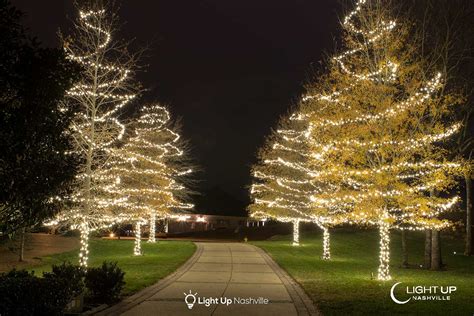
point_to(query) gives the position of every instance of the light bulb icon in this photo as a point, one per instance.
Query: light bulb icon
(190, 299)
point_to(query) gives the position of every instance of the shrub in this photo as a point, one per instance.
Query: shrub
(16, 291)
(22, 293)
(70, 276)
(105, 283)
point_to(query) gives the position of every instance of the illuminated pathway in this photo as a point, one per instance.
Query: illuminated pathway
(229, 270)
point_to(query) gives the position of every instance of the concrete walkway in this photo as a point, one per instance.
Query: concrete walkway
(230, 270)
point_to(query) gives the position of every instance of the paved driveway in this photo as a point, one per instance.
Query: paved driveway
(222, 270)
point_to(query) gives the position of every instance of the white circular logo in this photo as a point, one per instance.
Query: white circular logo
(392, 295)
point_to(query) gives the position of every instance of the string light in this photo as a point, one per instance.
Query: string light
(137, 249)
(296, 232)
(337, 161)
(326, 244)
(84, 250)
(152, 234)
(402, 183)
(283, 184)
(150, 169)
(384, 269)
(102, 91)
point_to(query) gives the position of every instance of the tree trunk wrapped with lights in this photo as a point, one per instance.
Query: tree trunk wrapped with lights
(326, 244)
(137, 249)
(296, 232)
(152, 234)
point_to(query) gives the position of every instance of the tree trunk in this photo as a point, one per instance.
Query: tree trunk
(84, 251)
(296, 233)
(384, 267)
(137, 250)
(427, 264)
(404, 250)
(151, 237)
(326, 244)
(435, 250)
(167, 227)
(469, 249)
(21, 257)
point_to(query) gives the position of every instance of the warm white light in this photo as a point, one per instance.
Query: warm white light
(137, 249)
(152, 234)
(326, 245)
(337, 160)
(296, 233)
(102, 90)
(182, 218)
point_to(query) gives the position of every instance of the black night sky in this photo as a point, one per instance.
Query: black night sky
(228, 68)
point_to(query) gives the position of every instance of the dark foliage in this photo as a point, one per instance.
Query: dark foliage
(104, 283)
(22, 293)
(33, 130)
(70, 275)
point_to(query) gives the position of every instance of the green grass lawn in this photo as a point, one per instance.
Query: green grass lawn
(344, 285)
(159, 260)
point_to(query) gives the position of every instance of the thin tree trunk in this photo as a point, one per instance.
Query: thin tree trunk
(21, 257)
(84, 251)
(404, 249)
(326, 244)
(427, 264)
(296, 232)
(151, 237)
(137, 250)
(469, 249)
(435, 250)
(384, 257)
(166, 227)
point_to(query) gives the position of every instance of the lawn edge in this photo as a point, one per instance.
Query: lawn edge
(135, 299)
(303, 302)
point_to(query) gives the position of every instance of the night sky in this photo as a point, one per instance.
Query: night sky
(228, 68)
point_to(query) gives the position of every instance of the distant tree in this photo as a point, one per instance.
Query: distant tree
(280, 190)
(286, 182)
(35, 133)
(154, 168)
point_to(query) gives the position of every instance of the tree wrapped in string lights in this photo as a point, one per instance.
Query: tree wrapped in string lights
(154, 170)
(103, 90)
(284, 182)
(380, 124)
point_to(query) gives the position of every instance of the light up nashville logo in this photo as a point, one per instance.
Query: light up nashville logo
(192, 299)
(424, 293)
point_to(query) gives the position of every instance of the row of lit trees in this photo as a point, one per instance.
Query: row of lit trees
(129, 172)
(372, 147)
